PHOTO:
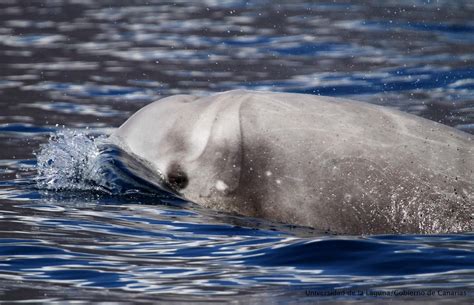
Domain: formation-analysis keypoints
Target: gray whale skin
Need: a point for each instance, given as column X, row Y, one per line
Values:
column 332, row 164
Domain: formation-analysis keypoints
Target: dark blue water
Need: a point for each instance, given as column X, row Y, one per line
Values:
column 82, row 221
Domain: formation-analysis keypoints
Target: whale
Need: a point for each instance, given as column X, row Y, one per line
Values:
column 333, row 164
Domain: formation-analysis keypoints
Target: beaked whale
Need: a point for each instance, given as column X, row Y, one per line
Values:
column 332, row 164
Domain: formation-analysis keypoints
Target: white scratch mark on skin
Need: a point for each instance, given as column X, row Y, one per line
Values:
column 221, row 186
column 295, row 178
column 279, row 103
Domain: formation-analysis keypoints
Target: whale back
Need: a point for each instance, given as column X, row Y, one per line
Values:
column 349, row 166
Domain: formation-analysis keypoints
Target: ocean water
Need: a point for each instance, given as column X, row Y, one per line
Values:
column 82, row 221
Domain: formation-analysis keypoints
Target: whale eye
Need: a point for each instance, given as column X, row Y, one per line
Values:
column 177, row 177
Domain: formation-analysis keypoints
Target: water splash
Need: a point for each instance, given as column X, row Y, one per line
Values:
column 68, row 161
column 75, row 161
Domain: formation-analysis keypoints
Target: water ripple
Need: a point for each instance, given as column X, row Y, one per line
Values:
column 76, row 235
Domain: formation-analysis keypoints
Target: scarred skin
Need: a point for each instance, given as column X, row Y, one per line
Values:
column 333, row 164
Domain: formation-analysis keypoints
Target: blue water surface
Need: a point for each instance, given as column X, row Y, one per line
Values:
column 81, row 221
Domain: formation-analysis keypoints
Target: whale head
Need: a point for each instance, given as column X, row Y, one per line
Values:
column 193, row 143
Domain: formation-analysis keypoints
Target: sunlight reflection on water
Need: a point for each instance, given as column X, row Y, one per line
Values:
column 89, row 64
